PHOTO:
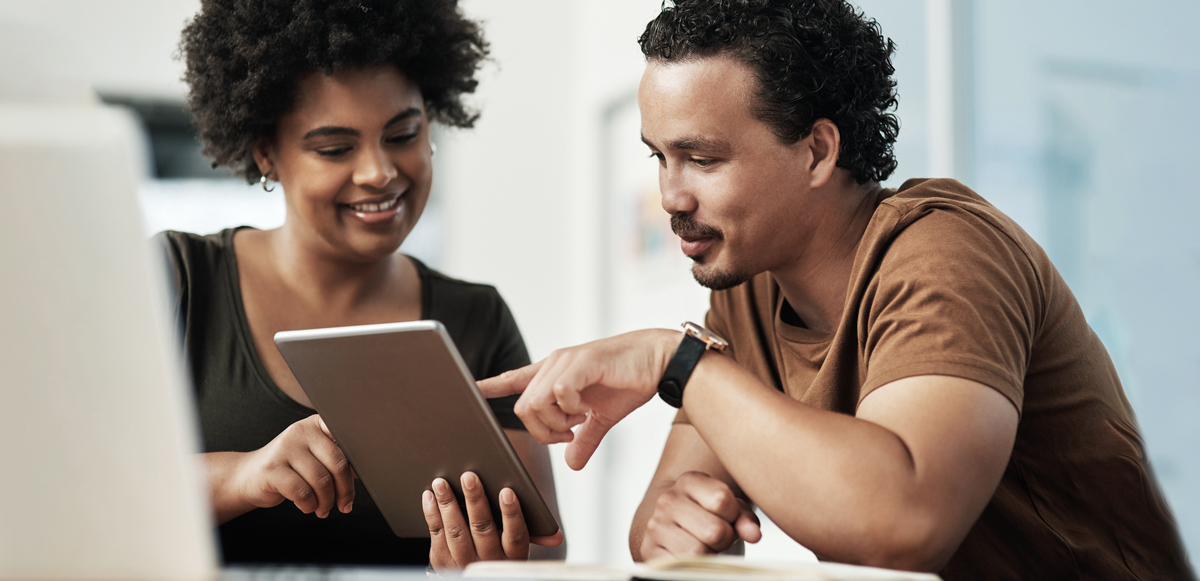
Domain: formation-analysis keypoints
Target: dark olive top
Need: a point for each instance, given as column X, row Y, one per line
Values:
column 242, row 409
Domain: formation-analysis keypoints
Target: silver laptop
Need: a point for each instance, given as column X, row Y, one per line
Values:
column 97, row 436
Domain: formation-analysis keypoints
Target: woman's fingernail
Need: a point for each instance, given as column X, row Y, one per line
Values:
column 507, row 496
column 469, row 481
column 440, row 486
column 348, row 507
column 427, row 498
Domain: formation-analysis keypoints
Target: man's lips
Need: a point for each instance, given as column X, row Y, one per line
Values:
column 693, row 247
column 694, row 236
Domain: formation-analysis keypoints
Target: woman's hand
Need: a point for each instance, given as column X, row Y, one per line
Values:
column 302, row 464
column 457, row 542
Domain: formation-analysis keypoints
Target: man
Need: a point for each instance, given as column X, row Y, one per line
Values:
column 908, row 383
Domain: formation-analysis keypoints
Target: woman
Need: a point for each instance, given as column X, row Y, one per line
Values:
column 332, row 100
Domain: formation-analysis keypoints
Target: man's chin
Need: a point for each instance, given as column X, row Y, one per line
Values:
column 715, row 278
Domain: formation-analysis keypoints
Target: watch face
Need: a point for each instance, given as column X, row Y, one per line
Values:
column 710, row 339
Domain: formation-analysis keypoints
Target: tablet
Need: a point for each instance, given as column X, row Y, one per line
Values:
column 405, row 410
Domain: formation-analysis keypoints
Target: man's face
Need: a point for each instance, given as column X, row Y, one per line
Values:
column 736, row 195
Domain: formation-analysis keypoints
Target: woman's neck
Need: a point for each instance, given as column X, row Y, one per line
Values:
column 320, row 277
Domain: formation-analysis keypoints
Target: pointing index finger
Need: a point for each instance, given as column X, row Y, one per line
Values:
column 508, row 383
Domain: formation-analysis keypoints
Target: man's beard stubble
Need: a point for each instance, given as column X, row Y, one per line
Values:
column 686, row 225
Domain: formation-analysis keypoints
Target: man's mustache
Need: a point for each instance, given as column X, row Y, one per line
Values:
column 685, row 226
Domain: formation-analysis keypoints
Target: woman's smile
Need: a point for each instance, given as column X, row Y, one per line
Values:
column 376, row 210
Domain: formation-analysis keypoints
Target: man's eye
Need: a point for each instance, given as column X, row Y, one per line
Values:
column 703, row 162
column 658, row 156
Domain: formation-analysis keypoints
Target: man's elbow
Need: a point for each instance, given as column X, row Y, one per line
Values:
column 914, row 541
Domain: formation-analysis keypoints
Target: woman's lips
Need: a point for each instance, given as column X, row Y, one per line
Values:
column 375, row 213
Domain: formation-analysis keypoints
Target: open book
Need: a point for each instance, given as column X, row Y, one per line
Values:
column 707, row 568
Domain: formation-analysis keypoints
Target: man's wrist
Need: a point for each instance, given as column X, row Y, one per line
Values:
column 694, row 344
column 667, row 342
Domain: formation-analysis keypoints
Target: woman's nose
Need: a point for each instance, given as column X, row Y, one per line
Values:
column 374, row 169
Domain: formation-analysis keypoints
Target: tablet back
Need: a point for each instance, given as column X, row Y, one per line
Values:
column 403, row 407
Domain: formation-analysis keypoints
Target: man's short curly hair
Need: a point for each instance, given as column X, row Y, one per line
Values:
column 245, row 57
column 813, row 59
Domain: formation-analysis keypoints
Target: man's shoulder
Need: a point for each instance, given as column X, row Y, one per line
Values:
column 921, row 197
column 939, row 214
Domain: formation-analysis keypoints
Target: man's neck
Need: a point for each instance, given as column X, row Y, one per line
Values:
column 815, row 283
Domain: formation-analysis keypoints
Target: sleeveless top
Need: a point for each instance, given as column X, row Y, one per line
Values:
column 241, row 409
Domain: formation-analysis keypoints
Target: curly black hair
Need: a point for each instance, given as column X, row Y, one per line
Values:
column 245, row 57
column 813, row 59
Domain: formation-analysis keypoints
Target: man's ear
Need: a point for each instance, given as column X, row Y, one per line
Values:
column 263, row 156
column 826, row 143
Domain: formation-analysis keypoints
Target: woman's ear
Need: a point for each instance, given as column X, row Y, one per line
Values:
column 264, row 156
column 826, row 143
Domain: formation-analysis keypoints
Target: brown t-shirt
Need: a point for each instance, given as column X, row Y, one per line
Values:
column 945, row 284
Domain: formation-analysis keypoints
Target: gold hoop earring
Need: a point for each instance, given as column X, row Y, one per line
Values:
column 263, row 181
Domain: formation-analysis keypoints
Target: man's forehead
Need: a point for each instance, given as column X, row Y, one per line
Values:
column 693, row 102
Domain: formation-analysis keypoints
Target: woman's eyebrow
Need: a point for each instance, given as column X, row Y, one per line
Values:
column 405, row 114
column 335, row 130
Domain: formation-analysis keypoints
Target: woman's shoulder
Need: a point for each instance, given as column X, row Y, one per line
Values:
column 464, row 307
column 186, row 248
column 449, row 288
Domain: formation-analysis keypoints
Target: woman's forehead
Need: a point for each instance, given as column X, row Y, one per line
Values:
column 354, row 94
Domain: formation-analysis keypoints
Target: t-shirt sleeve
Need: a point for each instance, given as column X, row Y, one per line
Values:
column 509, row 353
column 166, row 248
column 954, row 295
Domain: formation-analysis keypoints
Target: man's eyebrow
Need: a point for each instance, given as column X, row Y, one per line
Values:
column 329, row 130
column 696, row 143
column 700, row 143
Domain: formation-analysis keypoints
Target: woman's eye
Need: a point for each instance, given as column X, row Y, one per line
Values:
column 399, row 139
column 333, row 151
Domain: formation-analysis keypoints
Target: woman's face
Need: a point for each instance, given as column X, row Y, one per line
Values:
column 353, row 157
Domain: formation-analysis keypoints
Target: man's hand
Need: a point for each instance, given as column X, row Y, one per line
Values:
column 698, row 515
column 456, row 541
column 592, row 386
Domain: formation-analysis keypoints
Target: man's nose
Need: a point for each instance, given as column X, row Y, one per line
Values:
column 677, row 197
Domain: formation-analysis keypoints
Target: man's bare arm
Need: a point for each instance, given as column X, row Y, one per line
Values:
column 899, row 485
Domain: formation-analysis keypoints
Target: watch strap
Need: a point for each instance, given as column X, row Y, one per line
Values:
column 679, row 369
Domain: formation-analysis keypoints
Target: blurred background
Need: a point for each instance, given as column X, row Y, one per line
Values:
column 1076, row 118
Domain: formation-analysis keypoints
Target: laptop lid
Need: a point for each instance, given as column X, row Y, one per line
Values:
column 97, row 430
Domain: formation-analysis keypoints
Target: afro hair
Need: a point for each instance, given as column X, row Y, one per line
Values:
column 245, row 57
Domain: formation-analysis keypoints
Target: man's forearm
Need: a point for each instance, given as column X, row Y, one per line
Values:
column 844, row 487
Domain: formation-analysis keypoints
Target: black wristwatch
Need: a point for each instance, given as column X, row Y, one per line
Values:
column 696, row 340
